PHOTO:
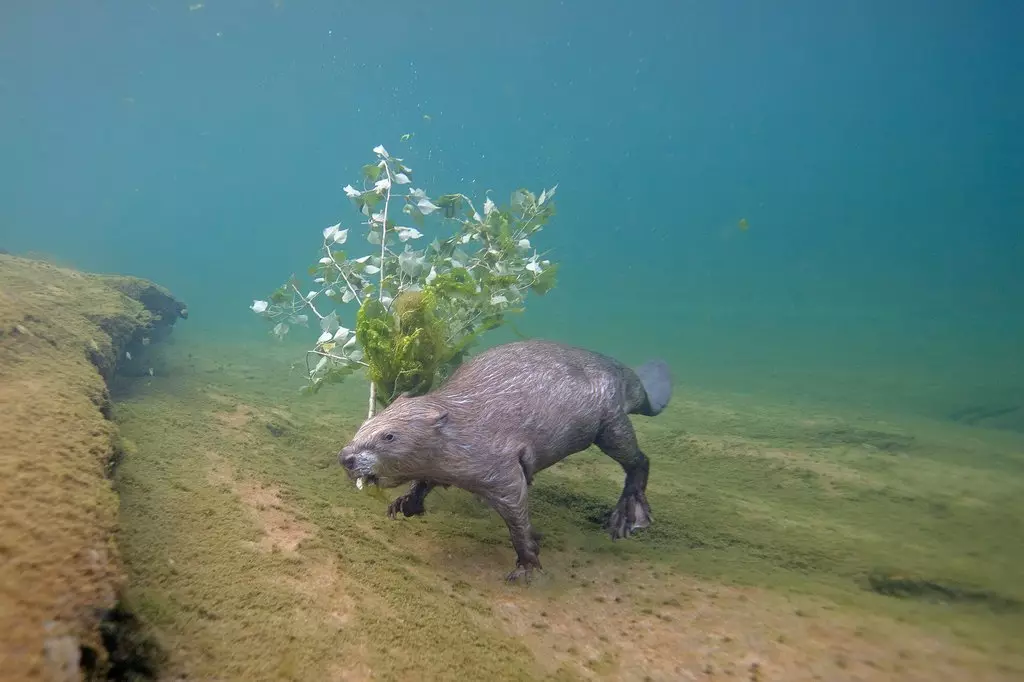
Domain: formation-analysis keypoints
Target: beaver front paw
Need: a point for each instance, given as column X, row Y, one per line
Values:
column 631, row 514
column 409, row 504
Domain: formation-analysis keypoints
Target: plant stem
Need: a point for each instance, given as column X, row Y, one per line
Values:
column 307, row 302
column 384, row 234
column 380, row 287
column 344, row 275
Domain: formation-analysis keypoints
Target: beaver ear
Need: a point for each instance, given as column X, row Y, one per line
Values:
column 402, row 396
column 440, row 419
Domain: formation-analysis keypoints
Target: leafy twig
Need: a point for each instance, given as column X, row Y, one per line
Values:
column 475, row 276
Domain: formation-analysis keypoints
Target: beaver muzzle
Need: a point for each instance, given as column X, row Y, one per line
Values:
column 360, row 465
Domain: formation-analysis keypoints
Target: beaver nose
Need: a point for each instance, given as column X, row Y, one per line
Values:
column 347, row 458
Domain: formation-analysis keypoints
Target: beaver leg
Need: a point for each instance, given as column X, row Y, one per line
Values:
column 618, row 440
column 510, row 499
column 526, row 461
column 411, row 503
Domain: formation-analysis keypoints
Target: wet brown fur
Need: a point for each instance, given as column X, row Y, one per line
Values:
column 504, row 416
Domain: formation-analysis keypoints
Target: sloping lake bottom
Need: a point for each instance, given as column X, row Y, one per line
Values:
column 788, row 544
column 173, row 509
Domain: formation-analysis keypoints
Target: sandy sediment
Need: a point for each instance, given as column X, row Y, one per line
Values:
column 63, row 334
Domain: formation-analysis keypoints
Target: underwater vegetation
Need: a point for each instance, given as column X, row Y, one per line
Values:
column 404, row 347
column 419, row 310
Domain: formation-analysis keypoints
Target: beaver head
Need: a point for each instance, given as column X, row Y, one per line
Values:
column 395, row 446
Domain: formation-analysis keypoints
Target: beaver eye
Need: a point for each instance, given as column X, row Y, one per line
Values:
column 388, row 437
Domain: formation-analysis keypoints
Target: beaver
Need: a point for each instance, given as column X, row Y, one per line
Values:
column 503, row 416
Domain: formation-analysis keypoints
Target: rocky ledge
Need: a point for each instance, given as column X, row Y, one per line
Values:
column 63, row 334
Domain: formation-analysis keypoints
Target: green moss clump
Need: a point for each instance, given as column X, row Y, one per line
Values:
column 403, row 348
column 412, row 346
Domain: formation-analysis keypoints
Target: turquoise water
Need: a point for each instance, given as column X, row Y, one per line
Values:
column 874, row 151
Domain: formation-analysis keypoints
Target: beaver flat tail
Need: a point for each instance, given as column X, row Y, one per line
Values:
column 657, row 382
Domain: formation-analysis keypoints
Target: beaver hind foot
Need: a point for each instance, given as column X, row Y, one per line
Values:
column 631, row 514
column 524, row 571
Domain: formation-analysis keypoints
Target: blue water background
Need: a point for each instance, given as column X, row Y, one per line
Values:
column 874, row 149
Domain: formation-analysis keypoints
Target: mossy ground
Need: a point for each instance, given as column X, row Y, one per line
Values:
column 252, row 557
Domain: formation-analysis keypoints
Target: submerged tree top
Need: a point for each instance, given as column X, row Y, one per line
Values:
column 476, row 268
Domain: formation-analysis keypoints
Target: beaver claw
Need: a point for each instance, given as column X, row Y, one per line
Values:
column 409, row 504
column 523, row 570
column 631, row 514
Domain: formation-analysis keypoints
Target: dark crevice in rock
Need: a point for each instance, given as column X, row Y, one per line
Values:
column 130, row 341
column 129, row 653
column 118, row 451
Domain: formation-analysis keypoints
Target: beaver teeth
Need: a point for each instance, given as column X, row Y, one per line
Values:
column 360, row 481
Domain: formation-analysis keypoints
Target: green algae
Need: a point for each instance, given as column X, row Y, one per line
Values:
column 225, row 609
column 62, row 332
column 781, row 503
column 405, row 348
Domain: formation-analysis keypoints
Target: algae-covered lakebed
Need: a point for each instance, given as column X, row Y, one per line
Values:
column 787, row 544
column 63, row 334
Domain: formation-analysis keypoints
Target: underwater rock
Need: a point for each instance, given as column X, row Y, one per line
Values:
column 63, row 334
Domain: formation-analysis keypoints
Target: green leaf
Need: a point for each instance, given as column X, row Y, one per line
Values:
column 337, row 373
column 416, row 215
column 449, row 203
column 373, row 310
column 523, row 199
column 370, row 200
column 372, row 172
column 545, row 282
column 279, row 296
